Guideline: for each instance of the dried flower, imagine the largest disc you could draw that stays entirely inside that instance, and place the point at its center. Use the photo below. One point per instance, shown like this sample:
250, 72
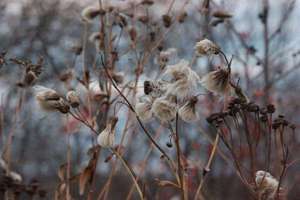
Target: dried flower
143, 110
50, 100
164, 108
206, 47
188, 111
73, 98
106, 138
89, 13
184, 80
266, 184
217, 81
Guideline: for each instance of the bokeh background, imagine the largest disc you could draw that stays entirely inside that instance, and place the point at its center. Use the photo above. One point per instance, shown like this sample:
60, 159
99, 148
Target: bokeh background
267, 64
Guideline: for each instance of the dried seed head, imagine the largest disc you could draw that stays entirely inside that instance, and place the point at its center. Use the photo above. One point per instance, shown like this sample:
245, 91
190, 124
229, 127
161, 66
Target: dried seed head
143, 110
188, 111
107, 137
73, 98
63, 106
164, 108
50, 100
217, 81
270, 108
266, 184
89, 13
206, 47
184, 80
167, 20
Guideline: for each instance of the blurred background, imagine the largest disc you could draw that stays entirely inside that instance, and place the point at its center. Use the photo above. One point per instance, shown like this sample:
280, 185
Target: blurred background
263, 37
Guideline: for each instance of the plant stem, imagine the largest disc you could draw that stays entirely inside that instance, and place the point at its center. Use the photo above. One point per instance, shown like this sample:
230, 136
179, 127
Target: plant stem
130, 172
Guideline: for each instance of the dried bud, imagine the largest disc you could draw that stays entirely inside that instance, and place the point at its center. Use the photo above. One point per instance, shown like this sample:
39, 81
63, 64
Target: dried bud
73, 98
63, 106
169, 144
107, 137
167, 20
89, 13
30, 78
206, 47
270, 108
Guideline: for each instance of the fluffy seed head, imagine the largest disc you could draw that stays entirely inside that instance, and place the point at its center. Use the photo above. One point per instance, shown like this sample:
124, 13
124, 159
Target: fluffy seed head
266, 184
143, 110
106, 138
184, 80
188, 111
206, 47
217, 81
164, 108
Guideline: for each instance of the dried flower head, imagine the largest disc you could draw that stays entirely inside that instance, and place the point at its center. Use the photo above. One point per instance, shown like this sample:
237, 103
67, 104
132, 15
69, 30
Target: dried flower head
207, 47
143, 110
266, 183
73, 98
188, 111
50, 100
184, 80
106, 138
89, 13
217, 81
165, 108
